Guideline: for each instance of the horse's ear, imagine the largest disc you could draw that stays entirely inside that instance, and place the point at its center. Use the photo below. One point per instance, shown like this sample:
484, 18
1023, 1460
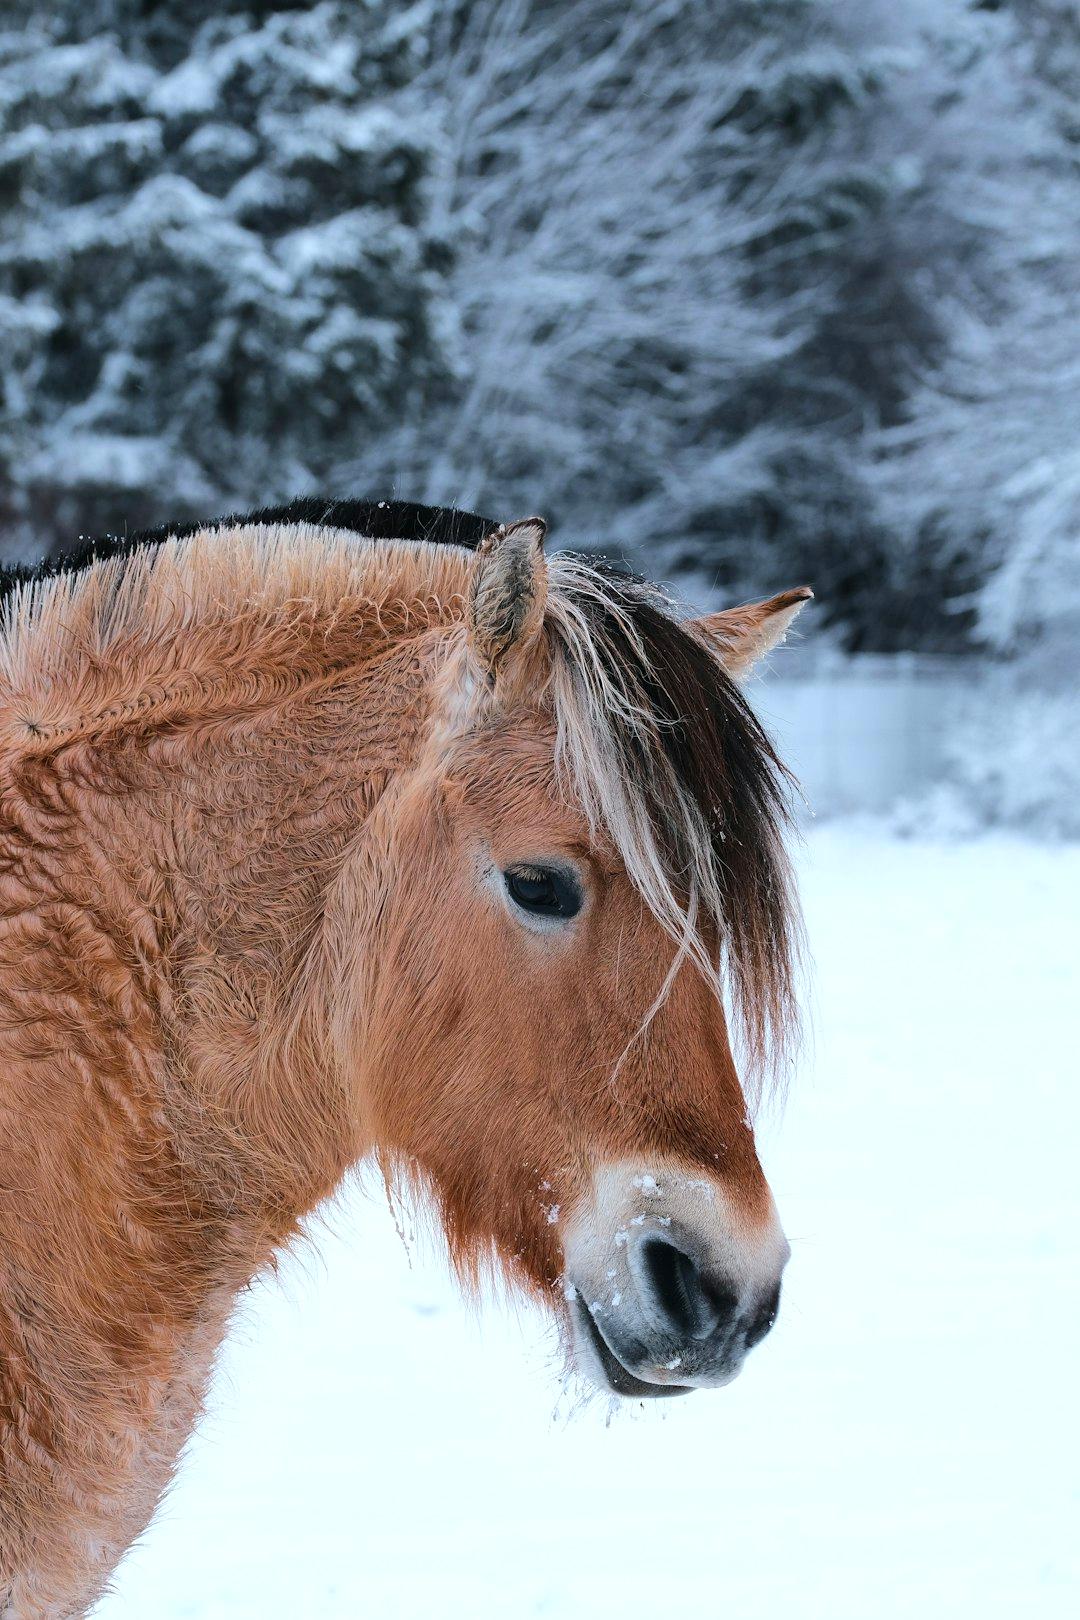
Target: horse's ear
509, 592
744, 634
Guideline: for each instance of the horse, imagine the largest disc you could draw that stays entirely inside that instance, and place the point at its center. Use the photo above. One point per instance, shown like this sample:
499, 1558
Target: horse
367, 831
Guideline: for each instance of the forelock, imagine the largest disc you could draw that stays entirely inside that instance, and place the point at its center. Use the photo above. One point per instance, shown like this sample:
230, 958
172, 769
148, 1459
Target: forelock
668, 760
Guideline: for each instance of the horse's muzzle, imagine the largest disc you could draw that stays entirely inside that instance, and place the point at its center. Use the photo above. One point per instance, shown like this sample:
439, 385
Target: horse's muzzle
671, 1306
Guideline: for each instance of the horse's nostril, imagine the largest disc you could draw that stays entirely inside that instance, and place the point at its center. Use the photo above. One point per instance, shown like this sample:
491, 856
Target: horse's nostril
691, 1307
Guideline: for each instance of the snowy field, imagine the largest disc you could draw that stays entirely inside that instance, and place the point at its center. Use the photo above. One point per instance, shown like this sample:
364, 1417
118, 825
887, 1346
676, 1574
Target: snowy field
904, 1444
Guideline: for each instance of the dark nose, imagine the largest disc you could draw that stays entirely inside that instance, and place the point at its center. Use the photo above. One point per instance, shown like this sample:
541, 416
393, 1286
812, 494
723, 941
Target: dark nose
690, 1306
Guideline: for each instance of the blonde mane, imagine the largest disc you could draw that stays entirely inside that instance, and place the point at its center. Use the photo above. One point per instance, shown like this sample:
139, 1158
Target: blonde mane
153, 609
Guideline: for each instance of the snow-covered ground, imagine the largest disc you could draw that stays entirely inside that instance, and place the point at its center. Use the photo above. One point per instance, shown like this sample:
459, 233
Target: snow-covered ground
905, 1443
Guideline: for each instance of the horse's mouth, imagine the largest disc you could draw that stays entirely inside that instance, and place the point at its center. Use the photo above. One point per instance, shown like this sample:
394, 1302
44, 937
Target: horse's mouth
620, 1381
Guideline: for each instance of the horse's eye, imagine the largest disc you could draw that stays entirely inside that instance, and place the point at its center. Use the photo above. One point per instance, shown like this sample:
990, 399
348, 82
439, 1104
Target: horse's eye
543, 892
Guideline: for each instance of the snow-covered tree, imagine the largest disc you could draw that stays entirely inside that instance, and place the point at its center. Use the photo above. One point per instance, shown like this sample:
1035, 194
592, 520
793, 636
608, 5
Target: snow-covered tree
218, 272
983, 473
685, 271
752, 290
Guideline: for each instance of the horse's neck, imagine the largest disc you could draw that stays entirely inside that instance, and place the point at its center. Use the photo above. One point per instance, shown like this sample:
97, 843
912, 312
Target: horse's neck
168, 1109
169, 1105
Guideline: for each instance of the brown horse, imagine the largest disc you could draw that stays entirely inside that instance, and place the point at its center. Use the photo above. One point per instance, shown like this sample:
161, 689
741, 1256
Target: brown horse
377, 834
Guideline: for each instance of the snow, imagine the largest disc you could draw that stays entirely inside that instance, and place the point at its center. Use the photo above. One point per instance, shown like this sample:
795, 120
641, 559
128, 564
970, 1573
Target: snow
648, 1185
904, 1441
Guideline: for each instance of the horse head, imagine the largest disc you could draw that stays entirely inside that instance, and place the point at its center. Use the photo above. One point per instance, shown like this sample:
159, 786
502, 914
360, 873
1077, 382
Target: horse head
583, 928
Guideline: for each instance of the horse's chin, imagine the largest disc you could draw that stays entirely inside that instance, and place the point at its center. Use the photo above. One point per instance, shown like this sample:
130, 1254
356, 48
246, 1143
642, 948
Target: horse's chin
597, 1360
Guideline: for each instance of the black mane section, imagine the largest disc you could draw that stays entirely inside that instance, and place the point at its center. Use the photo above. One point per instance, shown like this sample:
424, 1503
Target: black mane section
375, 520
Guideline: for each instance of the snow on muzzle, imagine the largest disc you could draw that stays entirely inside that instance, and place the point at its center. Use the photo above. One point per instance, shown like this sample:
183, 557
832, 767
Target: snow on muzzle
668, 1282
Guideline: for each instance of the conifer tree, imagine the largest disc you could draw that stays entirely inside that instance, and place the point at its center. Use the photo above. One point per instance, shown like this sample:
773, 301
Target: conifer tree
217, 268
980, 480
685, 281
